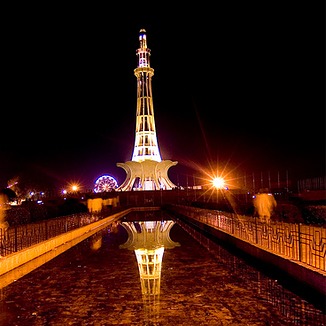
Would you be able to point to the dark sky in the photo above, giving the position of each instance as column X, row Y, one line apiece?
column 236, row 86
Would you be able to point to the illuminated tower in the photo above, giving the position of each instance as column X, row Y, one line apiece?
column 146, row 170
column 146, row 146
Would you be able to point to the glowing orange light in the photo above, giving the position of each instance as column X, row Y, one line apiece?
column 218, row 183
column 72, row 187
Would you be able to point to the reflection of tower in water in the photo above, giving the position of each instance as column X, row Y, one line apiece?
column 148, row 239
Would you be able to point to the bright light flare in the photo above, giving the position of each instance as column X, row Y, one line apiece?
column 72, row 187
column 219, row 183
column 212, row 178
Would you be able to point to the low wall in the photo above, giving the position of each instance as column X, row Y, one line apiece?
column 68, row 239
column 314, row 279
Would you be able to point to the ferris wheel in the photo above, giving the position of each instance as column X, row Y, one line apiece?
column 105, row 183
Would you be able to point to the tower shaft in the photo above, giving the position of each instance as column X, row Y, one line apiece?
column 146, row 145
column 146, row 170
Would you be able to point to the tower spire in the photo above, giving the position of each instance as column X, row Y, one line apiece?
column 146, row 145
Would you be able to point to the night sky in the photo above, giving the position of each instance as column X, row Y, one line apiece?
column 236, row 86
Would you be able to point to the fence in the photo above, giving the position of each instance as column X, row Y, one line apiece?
column 19, row 237
column 302, row 243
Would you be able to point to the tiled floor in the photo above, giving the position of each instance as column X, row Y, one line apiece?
column 98, row 283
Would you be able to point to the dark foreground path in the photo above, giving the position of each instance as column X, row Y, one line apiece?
column 98, row 283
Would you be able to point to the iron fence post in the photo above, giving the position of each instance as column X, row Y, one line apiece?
column 16, row 239
column 299, row 242
column 46, row 230
column 256, row 231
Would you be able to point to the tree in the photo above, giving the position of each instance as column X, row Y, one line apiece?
column 11, row 195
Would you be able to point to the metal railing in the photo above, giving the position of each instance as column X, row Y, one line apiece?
column 19, row 237
column 302, row 243
column 294, row 309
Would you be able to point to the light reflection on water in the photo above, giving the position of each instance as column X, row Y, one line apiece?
column 145, row 268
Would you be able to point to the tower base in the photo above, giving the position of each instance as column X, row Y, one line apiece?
column 147, row 175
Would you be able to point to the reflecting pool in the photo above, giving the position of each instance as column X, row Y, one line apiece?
column 150, row 268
